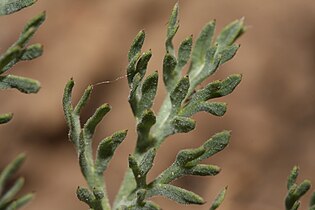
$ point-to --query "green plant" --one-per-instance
(295, 191)
(182, 101)
(18, 51)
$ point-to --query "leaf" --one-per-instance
(10, 6)
(214, 145)
(9, 56)
(24, 85)
(20, 202)
(187, 155)
(183, 124)
(214, 108)
(204, 170)
(134, 95)
(179, 93)
(147, 161)
(292, 177)
(172, 28)
(131, 71)
(30, 29)
(136, 45)
(142, 63)
(148, 91)
(144, 126)
(219, 199)
(95, 119)
(184, 52)
(217, 89)
(228, 53)
(106, 150)
(174, 193)
(4, 118)
(83, 100)
(72, 120)
(231, 32)
(32, 52)
(11, 193)
(134, 166)
(203, 42)
(10, 170)
(85, 196)
(169, 74)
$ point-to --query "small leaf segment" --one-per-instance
(92, 168)
(8, 200)
(19, 51)
(182, 101)
(296, 191)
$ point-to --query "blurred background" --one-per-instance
(271, 113)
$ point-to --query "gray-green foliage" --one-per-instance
(8, 200)
(296, 191)
(82, 136)
(19, 51)
(182, 101)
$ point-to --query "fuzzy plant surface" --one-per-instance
(184, 98)
(18, 51)
(296, 191)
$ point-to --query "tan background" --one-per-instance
(271, 114)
